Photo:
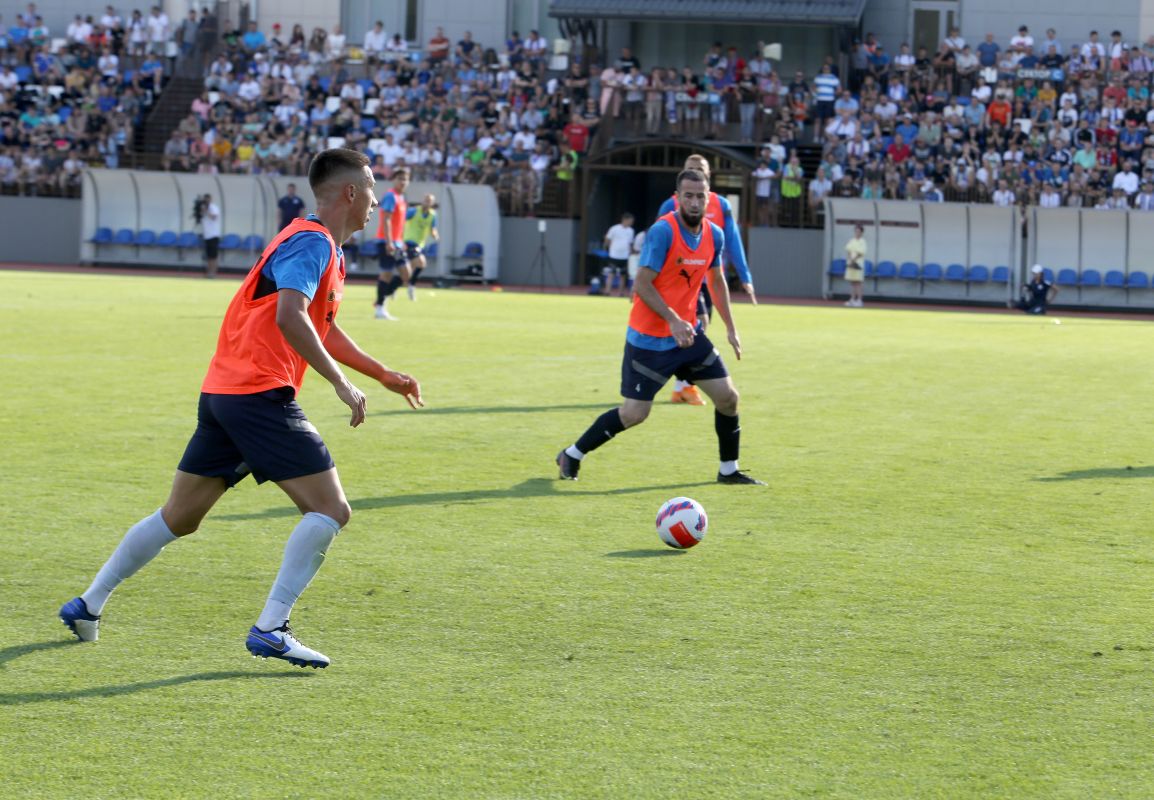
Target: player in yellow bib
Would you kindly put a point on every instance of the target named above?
(420, 229)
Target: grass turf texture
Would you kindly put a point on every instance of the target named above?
(945, 591)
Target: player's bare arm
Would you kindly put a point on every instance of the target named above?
(679, 329)
(293, 320)
(342, 348)
(719, 290)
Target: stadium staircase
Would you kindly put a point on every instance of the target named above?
(173, 105)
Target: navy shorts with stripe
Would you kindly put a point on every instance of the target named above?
(413, 251)
(387, 263)
(644, 372)
(266, 434)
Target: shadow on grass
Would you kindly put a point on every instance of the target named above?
(644, 553)
(25, 698)
(17, 650)
(609, 402)
(534, 487)
(1102, 472)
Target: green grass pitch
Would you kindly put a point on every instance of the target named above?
(945, 592)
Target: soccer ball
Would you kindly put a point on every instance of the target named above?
(681, 522)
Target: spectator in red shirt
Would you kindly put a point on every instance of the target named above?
(438, 47)
(576, 134)
(998, 113)
(899, 151)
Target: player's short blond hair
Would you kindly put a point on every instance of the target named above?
(699, 163)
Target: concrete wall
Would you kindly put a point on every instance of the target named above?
(786, 262)
(40, 230)
(891, 20)
(521, 244)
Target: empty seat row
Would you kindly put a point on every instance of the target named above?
(1093, 278)
(150, 238)
(912, 271)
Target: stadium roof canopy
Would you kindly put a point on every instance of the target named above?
(811, 12)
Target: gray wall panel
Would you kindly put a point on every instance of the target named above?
(785, 262)
(521, 243)
(40, 230)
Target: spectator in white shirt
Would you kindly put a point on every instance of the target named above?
(619, 242)
(1145, 199)
(335, 44)
(376, 40)
(1051, 40)
(78, 30)
(157, 31)
(1022, 40)
(1004, 197)
(1127, 179)
(1049, 197)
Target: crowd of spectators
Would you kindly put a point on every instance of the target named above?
(1016, 121)
(75, 98)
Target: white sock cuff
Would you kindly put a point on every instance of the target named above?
(573, 452)
(316, 516)
(157, 519)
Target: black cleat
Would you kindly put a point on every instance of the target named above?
(740, 477)
(568, 465)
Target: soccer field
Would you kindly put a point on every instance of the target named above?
(945, 591)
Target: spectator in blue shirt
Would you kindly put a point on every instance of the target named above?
(988, 51)
(253, 39)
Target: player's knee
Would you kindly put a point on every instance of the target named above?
(180, 524)
(727, 403)
(340, 513)
(633, 416)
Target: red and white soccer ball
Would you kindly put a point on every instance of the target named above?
(681, 522)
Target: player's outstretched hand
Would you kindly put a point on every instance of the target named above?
(404, 385)
(735, 343)
(748, 289)
(354, 398)
(682, 332)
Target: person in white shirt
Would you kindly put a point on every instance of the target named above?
(207, 215)
(1127, 179)
(619, 242)
(526, 138)
(78, 30)
(335, 44)
(376, 39)
(1145, 199)
(635, 257)
(1049, 197)
(763, 191)
(1022, 40)
(1003, 196)
(157, 31)
(111, 20)
(109, 65)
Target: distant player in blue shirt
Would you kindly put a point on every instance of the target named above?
(290, 206)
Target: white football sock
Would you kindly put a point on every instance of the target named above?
(303, 555)
(574, 453)
(728, 467)
(679, 384)
(141, 544)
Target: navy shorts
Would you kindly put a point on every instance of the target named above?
(413, 251)
(266, 434)
(388, 262)
(644, 372)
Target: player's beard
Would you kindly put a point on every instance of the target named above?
(691, 221)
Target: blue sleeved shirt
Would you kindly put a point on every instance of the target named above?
(389, 205)
(300, 261)
(657, 243)
(734, 249)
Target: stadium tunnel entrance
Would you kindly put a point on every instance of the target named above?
(638, 177)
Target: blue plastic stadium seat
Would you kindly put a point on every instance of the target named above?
(369, 248)
(369, 125)
(231, 241)
(253, 242)
(475, 250)
(932, 272)
(64, 112)
(188, 239)
(1115, 279)
(956, 272)
(1137, 280)
(126, 77)
(886, 269)
(979, 273)
(17, 36)
(431, 251)
(1090, 277)
(868, 268)
(102, 236)
(1067, 277)
(909, 271)
(837, 267)
(366, 84)
(145, 238)
(1000, 275)
(124, 236)
(23, 72)
(1048, 274)
(166, 239)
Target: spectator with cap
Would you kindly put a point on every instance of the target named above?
(1037, 294)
